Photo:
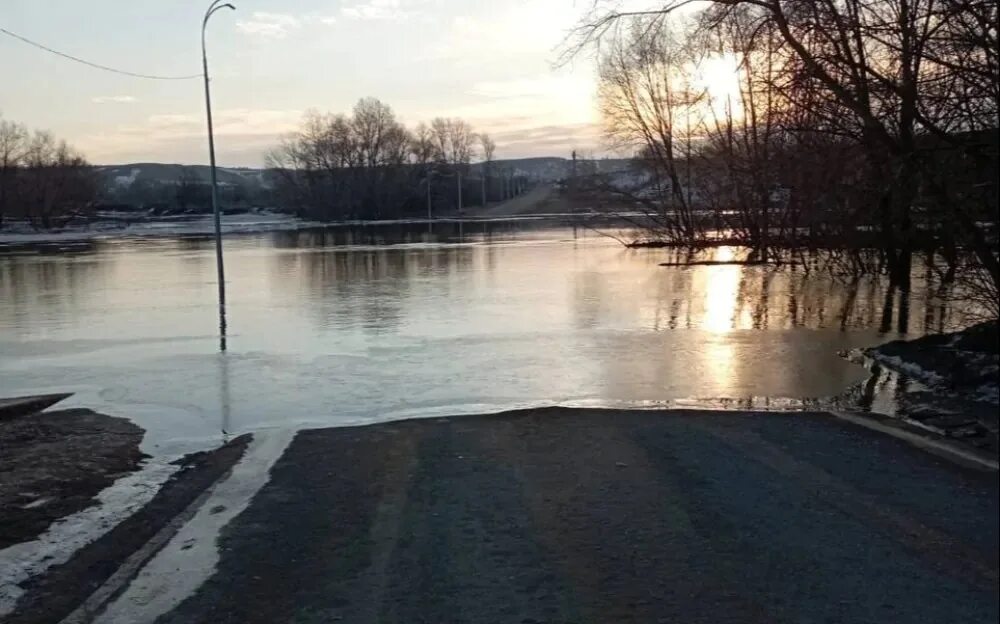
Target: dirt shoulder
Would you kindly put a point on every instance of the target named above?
(54, 464)
(55, 594)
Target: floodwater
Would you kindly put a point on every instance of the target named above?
(353, 325)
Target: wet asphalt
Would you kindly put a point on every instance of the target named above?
(591, 516)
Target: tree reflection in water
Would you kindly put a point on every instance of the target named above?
(367, 321)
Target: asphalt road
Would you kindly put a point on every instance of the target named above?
(606, 517)
(539, 200)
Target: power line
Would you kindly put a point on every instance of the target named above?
(94, 65)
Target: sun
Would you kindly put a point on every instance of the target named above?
(719, 76)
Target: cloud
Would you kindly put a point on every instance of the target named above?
(243, 135)
(240, 121)
(114, 99)
(551, 140)
(550, 98)
(545, 85)
(269, 25)
(516, 33)
(376, 10)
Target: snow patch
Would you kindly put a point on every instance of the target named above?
(56, 546)
(129, 180)
(909, 369)
(191, 556)
(231, 224)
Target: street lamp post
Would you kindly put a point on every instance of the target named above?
(430, 215)
(215, 6)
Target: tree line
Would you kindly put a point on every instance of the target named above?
(849, 121)
(368, 165)
(43, 181)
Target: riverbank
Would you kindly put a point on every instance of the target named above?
(965, 362)
(111, 228)
(77, 498)
(944, 386)
(56, 463)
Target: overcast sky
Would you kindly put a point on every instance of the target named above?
(488, 61)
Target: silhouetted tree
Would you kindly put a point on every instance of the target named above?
(42, 180)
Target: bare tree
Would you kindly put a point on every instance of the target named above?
(13, 149)
(649, 106)
(453, 140)
(423, 146)
(743, 132)
(366, 164)
(489, 148)
(42, 180)
(885, 75)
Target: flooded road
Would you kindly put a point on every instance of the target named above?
(356, 325)
(586, 516)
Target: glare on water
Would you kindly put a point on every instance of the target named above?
(342, 326)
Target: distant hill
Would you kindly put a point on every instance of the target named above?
(180, 188)
(552, 169)
(125, 176)
(122, 177)
(185, 188)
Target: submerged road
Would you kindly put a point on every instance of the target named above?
(591, 516)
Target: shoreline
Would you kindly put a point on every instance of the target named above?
(961, 382)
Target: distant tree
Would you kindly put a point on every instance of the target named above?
(454, 141)
(366, 164)
(13, 149)
(489, 148)
(191, 190)
(42, 180)
(423, 145)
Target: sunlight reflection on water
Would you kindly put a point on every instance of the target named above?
(351, 325)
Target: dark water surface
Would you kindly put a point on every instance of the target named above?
(352, 325)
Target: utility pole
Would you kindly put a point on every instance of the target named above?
(459, 191)
(215, 6)
(483, 182)
(430, 215)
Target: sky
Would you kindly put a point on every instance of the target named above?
(490, 62)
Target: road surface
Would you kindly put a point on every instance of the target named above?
(593, 516)
(543, 199)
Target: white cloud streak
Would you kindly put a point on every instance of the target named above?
(243, 136)
(114, 99)
(376, 10)
(269, 25)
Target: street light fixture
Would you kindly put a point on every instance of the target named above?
(215, 6)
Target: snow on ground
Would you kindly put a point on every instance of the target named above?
(64, 537)
(191, 557)
(247, 223)
(129, 180)
(202, 225)
(910, 369)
